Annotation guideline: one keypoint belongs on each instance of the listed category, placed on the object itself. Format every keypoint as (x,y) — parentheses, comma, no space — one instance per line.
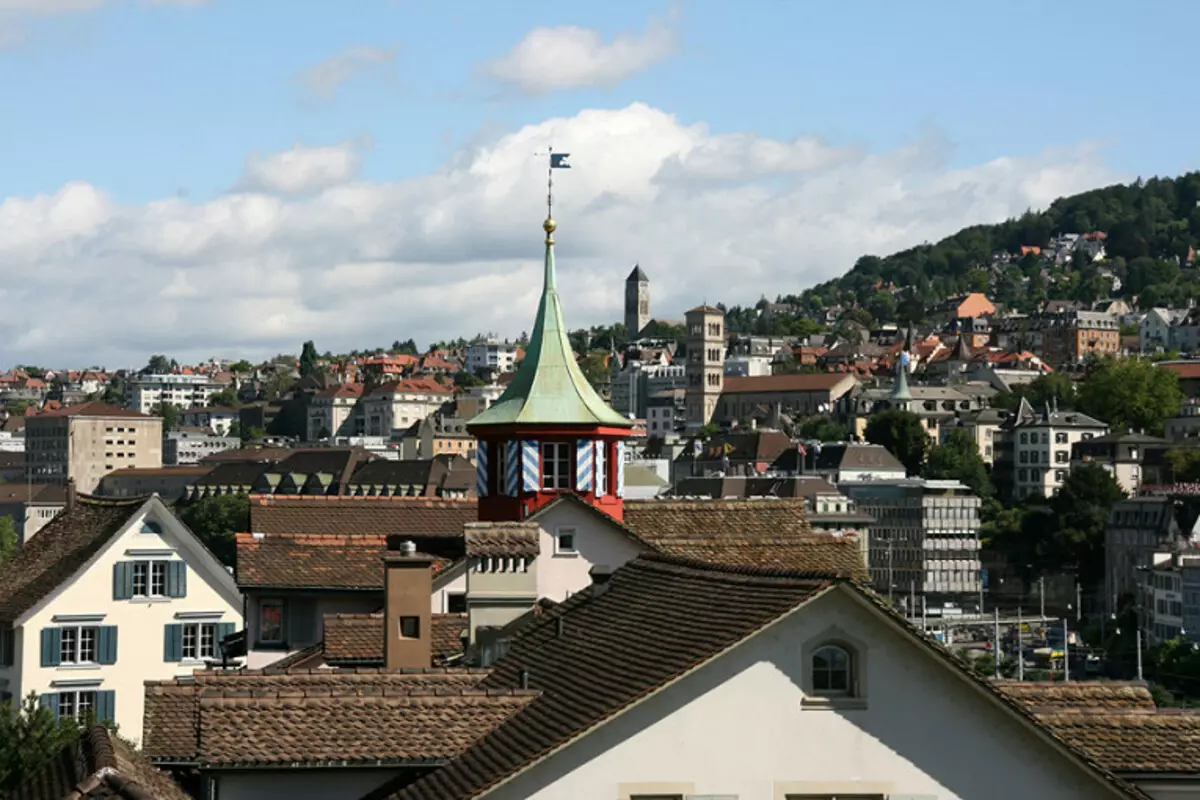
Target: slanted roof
(1132,740)
(549,387)
(59,550)
(315,561)
(99,765)
(502,539)
(94,408)
(358,638)
(415,517)
(637,275)
(1080,695)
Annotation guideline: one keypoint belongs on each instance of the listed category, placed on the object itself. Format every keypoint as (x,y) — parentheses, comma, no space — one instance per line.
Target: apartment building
(476,400)
(87,441)
(1040,443)
(492,357)
(398,405)
(335,412)
(1070,337)
(214,419)
(144,392)
(184,447)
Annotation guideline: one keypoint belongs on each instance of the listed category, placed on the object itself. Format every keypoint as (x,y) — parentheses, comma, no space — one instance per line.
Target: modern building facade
(145,392)
(85,442)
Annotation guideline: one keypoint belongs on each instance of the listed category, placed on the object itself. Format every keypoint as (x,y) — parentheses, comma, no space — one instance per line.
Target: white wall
(737,727)
(597,542)
(140,625)
(301,784)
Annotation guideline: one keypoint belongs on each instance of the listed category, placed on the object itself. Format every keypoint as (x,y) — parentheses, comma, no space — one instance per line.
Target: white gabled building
(108,595)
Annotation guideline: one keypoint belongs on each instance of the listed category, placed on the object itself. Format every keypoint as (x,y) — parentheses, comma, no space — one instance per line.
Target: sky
(229,178)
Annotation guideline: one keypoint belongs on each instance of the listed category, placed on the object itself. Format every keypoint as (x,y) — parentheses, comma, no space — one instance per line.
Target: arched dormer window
(833,671)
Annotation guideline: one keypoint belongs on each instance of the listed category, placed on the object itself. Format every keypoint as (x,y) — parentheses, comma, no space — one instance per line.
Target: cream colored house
(108,595)
(85,442)
(400,404)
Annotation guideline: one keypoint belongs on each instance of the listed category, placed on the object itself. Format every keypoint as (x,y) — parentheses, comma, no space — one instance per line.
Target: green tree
(902,433)
(216,521)
(595,368)
(10,540)
(17,407)
(235,429)
(114,392)
(1184,464)
(407,348)
(241,367)
(308,359)
(823,428)
(465,380)
(29,737)
(226,398)
(1130,393)
(170,415)
(159,365)
(958,458)
(1079,513)
(253,434)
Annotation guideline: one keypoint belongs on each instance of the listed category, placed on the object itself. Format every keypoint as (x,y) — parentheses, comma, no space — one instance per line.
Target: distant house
(975,304)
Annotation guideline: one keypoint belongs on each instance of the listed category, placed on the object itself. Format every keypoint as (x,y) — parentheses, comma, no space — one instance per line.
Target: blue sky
(141,101)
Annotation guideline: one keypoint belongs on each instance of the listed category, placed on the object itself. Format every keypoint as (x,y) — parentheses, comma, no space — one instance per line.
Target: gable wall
(736,727)
(597,542)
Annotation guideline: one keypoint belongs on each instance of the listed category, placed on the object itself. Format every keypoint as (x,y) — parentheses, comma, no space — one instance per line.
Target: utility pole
(1020,648)
(1042,595)
(891,574)
(996,641)
(1066,653)
(1138,635)
(924,625)
(1078,603)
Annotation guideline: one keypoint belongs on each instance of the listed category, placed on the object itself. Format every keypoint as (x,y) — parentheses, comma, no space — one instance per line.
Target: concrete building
(1068,338)
(1121,454)
(637,302)
(31,505)
(1041,444)
(184,447)
(492,357)
(705,365)
(335,412)
(1139,528)
(87,441)
(217,420)
(144,392)
(633,386)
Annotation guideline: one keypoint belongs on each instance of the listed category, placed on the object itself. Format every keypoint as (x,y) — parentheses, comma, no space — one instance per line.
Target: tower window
(556,465)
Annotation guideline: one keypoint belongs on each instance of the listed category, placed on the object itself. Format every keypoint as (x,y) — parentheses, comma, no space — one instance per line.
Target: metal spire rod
(550,183)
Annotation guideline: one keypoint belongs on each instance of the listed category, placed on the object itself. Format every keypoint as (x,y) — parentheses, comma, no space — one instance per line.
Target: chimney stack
(407,588)
(70,494)
(601,575)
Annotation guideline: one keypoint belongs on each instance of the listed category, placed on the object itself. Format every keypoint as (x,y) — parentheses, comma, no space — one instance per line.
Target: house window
(270,621)
(78,645)
(149,578)
(76,705)
(564,542)
(556,465)
(1061,457)
(199,641)
(832,672)
(1060,437)
(456,604)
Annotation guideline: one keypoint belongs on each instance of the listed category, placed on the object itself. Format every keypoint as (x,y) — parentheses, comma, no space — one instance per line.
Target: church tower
(549,434)
(705,365)
(637,302)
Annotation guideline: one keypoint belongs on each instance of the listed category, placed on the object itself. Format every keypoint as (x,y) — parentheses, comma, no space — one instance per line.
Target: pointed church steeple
(901,394)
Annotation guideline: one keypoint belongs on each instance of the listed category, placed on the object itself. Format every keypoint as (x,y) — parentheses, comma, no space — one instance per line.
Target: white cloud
(359,263)
(569,57)
(12,12)
(302,169)
(324,79)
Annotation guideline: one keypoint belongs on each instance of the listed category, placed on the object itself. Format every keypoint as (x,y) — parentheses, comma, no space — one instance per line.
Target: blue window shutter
(601,469)
(122,580)
(176,579)
(49,702)
(106,706)
(51,647)
(172,643)
(481,470)
(620,467)
(512,468)
(584,468)
(531,466)
(225,629)
(106,647)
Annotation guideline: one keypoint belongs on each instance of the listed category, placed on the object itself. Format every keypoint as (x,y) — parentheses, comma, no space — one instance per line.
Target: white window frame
(203,641)
(570,550)
(149,578)
(72,650)
(73,701)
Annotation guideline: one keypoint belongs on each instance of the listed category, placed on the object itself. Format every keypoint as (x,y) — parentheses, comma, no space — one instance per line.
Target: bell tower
(705,365)
(637,302)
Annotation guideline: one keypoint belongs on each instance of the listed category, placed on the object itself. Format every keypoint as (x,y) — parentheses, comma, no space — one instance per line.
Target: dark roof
(93,408)
(738,486)
(106,765)
(766,533)
(597,666)
(337,462)
(315,560)
(764,445)
(358,638)
(1132,740)
(21,492)
(326,716)
(393,472)
(59,550)
(1079,695)
(791,382)
(637,274)
(412,516)
(267,455)
(233,473)
(502,539)
(855,455)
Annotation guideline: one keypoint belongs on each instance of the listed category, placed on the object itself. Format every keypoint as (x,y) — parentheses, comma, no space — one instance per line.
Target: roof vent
(408,548)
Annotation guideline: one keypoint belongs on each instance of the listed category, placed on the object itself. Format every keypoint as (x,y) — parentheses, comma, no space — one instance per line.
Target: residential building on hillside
(1168,597)
(633,386)
(108,595)
(169,483)
(666,413)
(1041,442)
(492,357)
(217,420)
(31,505)
(144,392)
(183,448)
(1156,331)
(934,405)
(982,425)
(398,405)
(336,411)
(975,304)
(1185,425)
(1137,529)
(440,434)
(845,462)
(1189,375)
(1122,454)
(794,394)
(86,442)
(475,400)
(1070,337)
(740,452)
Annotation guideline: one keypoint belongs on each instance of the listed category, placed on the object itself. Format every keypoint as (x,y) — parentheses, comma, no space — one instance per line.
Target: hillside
(1147,231)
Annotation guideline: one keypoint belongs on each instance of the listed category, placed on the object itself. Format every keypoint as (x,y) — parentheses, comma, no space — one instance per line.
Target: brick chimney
(407,588)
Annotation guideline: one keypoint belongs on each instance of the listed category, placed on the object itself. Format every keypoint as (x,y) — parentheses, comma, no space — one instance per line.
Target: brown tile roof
(314,561)
(597,665)
(254,454)
(93,408)
(1079,695)
(1132,740)
(320,716)
(358,638)
(794,382)
(412,516)
(764,533)
(32,492)
(116,768)
(59,550)
(447,633)
(502,539)
(159,472)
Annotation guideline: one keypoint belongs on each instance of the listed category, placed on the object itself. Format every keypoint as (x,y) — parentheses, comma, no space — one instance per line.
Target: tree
(1130,393)
(308,359)
(595,368)
(958,458)
(823,428)
(407,347)
(241,367)
(903,434)
(216,521)
(10,541)
(1080,513)
(1184,464)
(235,429)
(17,407)
(465,380)
(253,434)
(158,365)
(29,737)
(170,415)
(114,392)
(226,398)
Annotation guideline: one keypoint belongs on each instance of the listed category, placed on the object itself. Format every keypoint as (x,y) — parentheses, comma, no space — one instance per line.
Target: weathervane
(557,161)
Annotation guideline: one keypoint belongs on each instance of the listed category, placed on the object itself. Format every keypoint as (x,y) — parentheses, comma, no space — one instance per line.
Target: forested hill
(1150,227)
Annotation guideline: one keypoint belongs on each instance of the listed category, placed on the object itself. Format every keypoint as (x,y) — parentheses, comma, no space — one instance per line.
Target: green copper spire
(901,392)
(549,387)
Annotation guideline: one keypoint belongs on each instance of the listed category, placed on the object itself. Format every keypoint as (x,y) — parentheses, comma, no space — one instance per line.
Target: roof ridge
(666,563)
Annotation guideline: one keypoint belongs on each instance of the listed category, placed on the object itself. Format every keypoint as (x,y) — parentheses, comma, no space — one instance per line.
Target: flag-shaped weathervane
(557,161)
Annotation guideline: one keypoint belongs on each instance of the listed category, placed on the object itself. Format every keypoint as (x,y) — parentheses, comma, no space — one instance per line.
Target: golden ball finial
(549,225)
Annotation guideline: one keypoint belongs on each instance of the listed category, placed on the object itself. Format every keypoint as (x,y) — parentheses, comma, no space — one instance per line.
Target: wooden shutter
(51,647)
(512,468)
(584,466)
(7,644)
(481,470)
(601,469)
(106,646)
(176,579)
(49,702)
(106,706)
(531,467)
(172,643)
(620,467)
(122,580)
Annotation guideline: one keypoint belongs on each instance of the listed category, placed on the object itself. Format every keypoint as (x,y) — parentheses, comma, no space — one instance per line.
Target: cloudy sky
(231,177)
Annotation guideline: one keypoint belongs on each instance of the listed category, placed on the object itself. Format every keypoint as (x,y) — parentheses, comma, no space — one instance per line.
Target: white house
(109,594)
(145,392)
(492,357)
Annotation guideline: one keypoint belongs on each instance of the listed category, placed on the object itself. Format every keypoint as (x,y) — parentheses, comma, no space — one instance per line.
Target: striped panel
(601,472)
(512,468)
(531,472)
(620,469)
(584,454)
(481,470)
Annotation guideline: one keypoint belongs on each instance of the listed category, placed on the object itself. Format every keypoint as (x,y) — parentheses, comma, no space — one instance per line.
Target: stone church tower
(705,365)
(637,302)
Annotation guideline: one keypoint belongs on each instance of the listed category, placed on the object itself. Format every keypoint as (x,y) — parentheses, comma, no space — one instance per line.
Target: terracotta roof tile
(326,561)
(502,539)
(412,516)
(1132,740)
(120,772)
(1040,696)
(358,638)
(794,382)
(94,409)
(59,549)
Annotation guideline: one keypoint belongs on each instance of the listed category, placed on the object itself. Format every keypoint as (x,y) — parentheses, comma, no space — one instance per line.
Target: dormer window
(832,672)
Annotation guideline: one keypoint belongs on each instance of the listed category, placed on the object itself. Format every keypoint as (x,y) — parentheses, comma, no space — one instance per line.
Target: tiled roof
(1132,740)
(243,454)
(49,493)
(502,539)
(765,533)
(93,409)
(117,770)
(233,473)
(305,560)
(1039,696)
(358,638)
(596,665)
(320,716)
(412,516)
(59,549)
(447,637)
(159,472)
(794,382)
